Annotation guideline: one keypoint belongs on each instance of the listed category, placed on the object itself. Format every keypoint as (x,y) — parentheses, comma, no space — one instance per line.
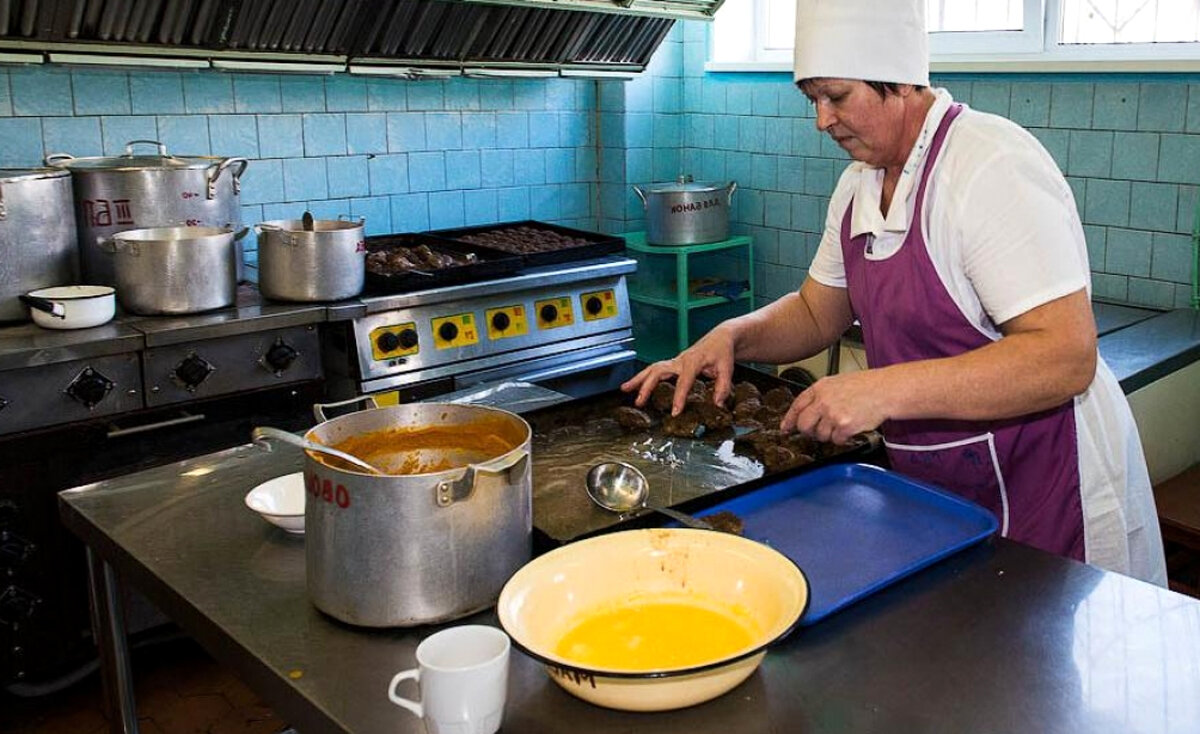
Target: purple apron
(1024,470)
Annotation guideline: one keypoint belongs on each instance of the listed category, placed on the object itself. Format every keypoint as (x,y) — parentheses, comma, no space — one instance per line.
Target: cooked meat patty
(633,419)
(685,425)
(725,522)
(746,408)
(778,399)
(744,391)
(713,416)
(662,396)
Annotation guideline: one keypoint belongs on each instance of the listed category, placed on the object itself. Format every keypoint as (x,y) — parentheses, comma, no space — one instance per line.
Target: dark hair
(881,88)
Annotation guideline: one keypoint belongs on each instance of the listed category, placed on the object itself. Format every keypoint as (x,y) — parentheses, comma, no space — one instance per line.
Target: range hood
(403,37)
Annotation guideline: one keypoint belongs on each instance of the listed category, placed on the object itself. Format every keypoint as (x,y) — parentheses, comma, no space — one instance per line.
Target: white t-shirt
(1000,222)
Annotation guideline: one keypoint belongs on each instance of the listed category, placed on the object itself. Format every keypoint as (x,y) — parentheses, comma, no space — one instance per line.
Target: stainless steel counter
(1000,638)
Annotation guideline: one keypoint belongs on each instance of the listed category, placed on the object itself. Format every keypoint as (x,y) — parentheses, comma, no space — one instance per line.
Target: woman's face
(867,126)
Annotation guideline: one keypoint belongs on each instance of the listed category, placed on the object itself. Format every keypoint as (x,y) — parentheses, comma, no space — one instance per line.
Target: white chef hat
(871,40)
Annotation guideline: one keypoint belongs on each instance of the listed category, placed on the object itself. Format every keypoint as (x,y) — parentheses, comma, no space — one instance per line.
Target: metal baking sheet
(570,438)
(491,264)
(853,528)
(597,245)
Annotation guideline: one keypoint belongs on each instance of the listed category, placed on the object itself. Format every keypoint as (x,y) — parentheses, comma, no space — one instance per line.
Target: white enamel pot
(71,306)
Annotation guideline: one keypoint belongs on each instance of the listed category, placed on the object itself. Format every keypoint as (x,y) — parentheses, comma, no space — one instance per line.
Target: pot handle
(241,163)
(54,158)
(319,408)
(240,234)
(729,196)
(641,195)
(456,490)
(162,147)
(285,237)
(53,308)
(114,246)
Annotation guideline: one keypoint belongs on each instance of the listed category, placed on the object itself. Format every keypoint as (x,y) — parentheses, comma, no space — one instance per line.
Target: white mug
(463,675)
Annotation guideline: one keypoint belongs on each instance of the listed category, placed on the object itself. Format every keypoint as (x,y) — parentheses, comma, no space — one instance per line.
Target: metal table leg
(109,629)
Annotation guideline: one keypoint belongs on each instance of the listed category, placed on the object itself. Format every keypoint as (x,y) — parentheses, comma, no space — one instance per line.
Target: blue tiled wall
(404,155)
(431,154)
(1129,146)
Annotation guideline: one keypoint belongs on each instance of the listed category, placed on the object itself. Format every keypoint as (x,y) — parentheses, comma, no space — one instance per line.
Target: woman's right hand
(712,356)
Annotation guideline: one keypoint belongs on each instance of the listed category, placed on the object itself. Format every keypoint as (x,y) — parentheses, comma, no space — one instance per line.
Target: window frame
(1035,49)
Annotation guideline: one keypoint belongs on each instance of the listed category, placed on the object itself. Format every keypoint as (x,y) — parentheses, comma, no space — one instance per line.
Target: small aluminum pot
(686,212)
(323,262)
(418,548)
(175,270)
(71,306)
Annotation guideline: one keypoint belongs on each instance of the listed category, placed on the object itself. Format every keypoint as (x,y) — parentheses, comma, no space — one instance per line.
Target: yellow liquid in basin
(655,635)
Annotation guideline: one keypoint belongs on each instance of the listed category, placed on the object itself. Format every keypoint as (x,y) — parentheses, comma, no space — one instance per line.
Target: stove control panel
(482,330)
(64,392)
(202,368)
(455,331)
(393,342)
(599,305)
(506,322)
(554,313)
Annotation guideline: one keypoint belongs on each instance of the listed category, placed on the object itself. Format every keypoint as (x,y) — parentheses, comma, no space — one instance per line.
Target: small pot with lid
(686,212)
(141,190)
(311,259)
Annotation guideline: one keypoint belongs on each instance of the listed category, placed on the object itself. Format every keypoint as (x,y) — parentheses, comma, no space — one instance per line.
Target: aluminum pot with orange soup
(434,538)
(650,620)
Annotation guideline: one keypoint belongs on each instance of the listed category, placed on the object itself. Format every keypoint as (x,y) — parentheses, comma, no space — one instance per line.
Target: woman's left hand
(838,407)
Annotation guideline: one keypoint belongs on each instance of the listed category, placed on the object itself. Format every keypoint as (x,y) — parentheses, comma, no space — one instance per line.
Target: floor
(179,690)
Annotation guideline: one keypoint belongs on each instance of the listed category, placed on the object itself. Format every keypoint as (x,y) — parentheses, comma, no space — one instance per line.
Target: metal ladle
(621,487)
(262,434)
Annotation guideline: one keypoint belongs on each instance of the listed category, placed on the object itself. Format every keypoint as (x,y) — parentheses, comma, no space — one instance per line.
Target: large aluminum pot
(325,261)
(429,545)
(687,212)
(132,191)
(174,270)
(37,235)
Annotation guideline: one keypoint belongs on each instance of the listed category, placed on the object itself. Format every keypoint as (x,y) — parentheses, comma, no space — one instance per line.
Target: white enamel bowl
(280,501)
(544,599)
(71,306)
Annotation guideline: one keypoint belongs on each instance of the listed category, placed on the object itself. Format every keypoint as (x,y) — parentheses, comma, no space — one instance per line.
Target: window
(1035,34)
(1131,21)
(983,26)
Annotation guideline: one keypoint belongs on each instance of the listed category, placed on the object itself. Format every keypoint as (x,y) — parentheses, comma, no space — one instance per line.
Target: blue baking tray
(855,528)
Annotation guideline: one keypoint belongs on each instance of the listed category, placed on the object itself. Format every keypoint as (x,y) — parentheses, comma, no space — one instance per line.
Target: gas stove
(541,325)
(50,378)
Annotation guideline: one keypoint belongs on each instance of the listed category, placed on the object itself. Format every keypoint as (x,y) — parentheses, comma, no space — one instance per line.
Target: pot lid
(130,161)
(297,226)
(13,175)
(685,183)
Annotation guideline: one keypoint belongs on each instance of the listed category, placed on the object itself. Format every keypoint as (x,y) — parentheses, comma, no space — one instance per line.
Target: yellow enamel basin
(760,588)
